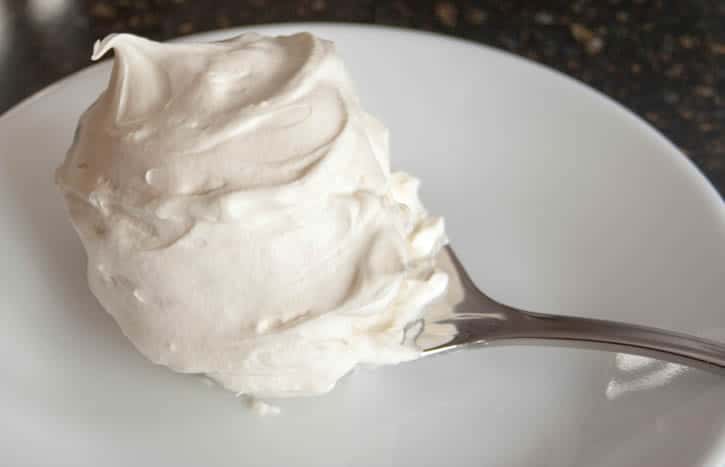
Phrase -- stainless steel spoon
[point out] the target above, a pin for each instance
(468, 317)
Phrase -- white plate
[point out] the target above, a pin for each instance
(557, 199)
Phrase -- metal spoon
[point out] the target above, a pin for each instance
(468, 317)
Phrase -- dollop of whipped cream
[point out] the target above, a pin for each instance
(240, 216)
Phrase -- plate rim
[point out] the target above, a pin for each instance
(685, 165)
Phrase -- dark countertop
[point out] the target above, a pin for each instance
(664, 59)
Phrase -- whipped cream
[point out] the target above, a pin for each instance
(240, 216)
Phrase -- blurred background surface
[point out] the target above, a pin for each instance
(663, 59)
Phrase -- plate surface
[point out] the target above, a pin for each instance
(556, 198)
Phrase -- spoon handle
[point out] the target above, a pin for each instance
(594, 333)
(480, 320)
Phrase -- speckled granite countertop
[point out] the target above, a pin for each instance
(664, 59)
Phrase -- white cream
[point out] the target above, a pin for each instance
(240, 217)
(262, 408)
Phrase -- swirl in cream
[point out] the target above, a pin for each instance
(240, 216)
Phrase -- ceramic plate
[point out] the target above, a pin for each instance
(557, 199)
